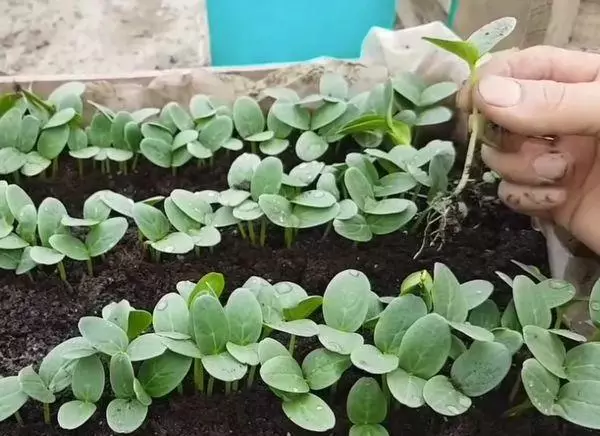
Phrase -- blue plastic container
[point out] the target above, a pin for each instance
(247, 32)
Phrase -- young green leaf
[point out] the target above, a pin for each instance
(395, 320)
(530, 305)
(12, 398)
(246, 354)
(463, 49)
(284, 373)
(448, 300)
(33, 386)
(11, 160)
(57, 366)
(370, 359)
(45, 256)
(209, 323)
(88, 379)
(425, 346)
(474, 332)
(481, 368)
(511, 339)
(310, 146)
(366, 402)
(267, 178)
(52, 141)
(161, 375)
(157, 151)
(171, 315)
(69, 246)
(486, 315)
(476, 292)
(191, 204)
(30, 129)
(121, 375)
(310, 413)
(406, 388)
(491, 34)
(292, 115)
(17, 199)
(150, 221)
(105, 336)
(73, 414)
(578, 403)
(345, 301)
(269, 348)
(224, 367)
(103, 237)
(212, 283)
(323, 368)
(444, 398)
(583, 362)
(547, 348)
(125, 415)
(339, 341)
(145, 347)
(248, 117)
(541, 386)
(555, 292)
(244, 317)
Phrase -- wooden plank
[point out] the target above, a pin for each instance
(562, 21)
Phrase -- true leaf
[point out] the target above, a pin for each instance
(464, 50)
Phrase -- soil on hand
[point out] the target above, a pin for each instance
(37, 316)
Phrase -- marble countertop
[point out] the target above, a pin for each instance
(101, 36)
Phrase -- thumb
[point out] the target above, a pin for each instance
(540, 107)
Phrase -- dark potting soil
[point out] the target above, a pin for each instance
(37, 316)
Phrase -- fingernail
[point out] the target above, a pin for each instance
(550, 166)
(499, 91)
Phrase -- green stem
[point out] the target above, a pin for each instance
(251, 232)
(61, 271)
(515, 390)
(235, 386)
(464, 178)
(80, 167)
(327, 230)
(102, 169)
(197, 251)
(47, 413)
(242, 231)
(211, 161)
(107, 163)
(19, 418)
(385, 388)
(135, 162)
(559, 318)
(251, 375)
(55, 167)
(517, 410)
(90, 266)
(263, 231)
(227, 388)
(210, 386)
(173, 171)
(253, 148)
(265, 332)
(30, 277)
(289, 237)
(292, 344)
(17, 177)
(180, 389)
(198, 375)
(337, 147)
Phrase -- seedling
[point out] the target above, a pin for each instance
(249, 122)
(286, 379)
(475, 51)
(367, 408)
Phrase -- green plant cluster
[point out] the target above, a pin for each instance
(352, 198)
(34, 132)
(439, 343)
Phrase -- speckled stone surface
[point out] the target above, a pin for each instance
(101, 36)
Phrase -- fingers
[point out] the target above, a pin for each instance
(545, 63)
(531, 200)
(527, 161)
(532, 107)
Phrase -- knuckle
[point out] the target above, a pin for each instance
(553, 94)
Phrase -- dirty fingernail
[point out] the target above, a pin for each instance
(550, 166)
(499, 91)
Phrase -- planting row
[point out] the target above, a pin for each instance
(351, 198)
(191, 335)
(34, 131)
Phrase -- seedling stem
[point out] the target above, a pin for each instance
(251, 232)
(210, 386)
(90, 267)
(242, 231)
(198, 375)
(251, 375)
(263, 232)
(227, 388)
(292, 344)
(61, 271)
(19, 418)
(47, 413)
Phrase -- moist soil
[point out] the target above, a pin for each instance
(38, 315)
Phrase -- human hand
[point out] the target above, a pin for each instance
(542, 92)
